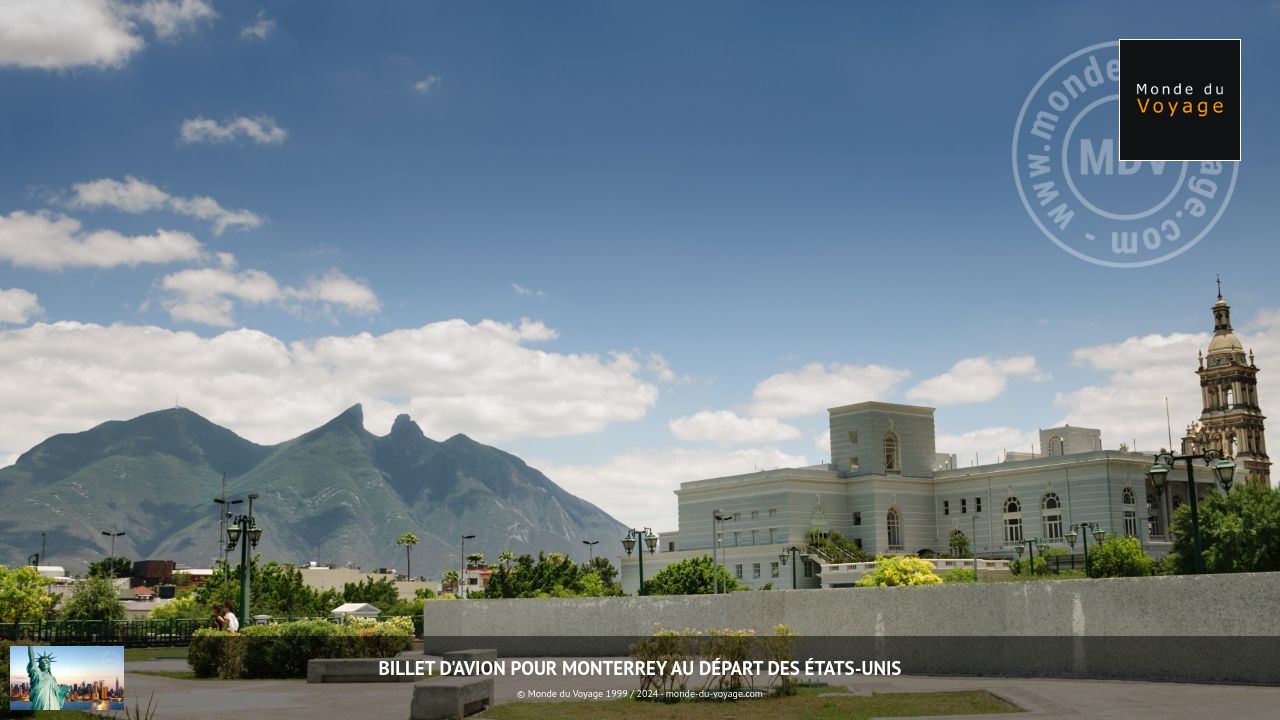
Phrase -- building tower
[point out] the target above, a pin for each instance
(1232, 419)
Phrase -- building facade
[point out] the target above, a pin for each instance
(889, 491)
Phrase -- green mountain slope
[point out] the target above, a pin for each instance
(337, 494)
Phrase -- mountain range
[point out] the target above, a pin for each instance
(336, 495)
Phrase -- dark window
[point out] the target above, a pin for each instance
(857, 518)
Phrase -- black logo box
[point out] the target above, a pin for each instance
(1181, 66)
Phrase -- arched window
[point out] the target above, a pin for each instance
(1130, 505)
(1012, 520)
(894, 525)
(892, 454)
(1051, 516)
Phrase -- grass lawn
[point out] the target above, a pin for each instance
(158, 653)
(1064, 575)
(810, 705)
(175, 674)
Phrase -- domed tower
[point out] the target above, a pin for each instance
(1232, 419)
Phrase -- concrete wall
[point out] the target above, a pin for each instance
(1184, 628)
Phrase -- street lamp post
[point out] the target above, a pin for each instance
(793, 551)
(113, 536)
(462, 558)
(717, 517)
(629, 543)
(590, 549)
(1223, 467)
(1082, 531)
(244, 525)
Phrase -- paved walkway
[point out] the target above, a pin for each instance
(1043, 699)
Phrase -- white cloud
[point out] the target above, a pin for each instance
(636, 487)
(1145, 370)
(208, 295)
(814, 388)
(334, 288)
(260, 29)
(989, 444)
(451, 376)
(130, 195)
(18, 306)
(51, 242)
(135, 196)
(529, 292)
(974, 380)
(823, 441)
(55, 34)
(725, 427)
(262, 130)
(426, 84)
(171, 18)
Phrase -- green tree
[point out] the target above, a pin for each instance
(274, 589)
(381, 593)
(551, 575)
(1119, 557)
(601, 566)
(506, 557)
(112, 567)
(450, 577)
(182, 607)
(898, 571)
(693, 576)
(1239, 531)
(94, 598)
(475, 560)
(959, 542)
(23, 594)
(408, 540)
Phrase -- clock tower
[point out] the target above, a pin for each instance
(1232, 419)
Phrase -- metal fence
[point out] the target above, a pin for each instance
(175, 632)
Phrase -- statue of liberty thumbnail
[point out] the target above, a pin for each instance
(46, 693)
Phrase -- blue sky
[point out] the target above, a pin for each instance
(699, 202)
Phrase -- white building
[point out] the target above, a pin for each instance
(890, 492)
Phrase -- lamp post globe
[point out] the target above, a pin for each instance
(1225, 469)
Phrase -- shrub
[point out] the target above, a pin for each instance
(959, 575)
(899, 571)
(282, 650)
(1119, 557)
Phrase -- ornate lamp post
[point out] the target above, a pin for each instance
(1031, 546)
(244, 525)
(793, 551)
(629, 544)
(1082, 530)
(1223, 467)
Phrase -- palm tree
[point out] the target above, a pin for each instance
(408, 540)
(475, 560)
(450, 577)
(505, 557)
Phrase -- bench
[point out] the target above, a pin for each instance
(351, 670)
(450, 697)
(476, 656)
